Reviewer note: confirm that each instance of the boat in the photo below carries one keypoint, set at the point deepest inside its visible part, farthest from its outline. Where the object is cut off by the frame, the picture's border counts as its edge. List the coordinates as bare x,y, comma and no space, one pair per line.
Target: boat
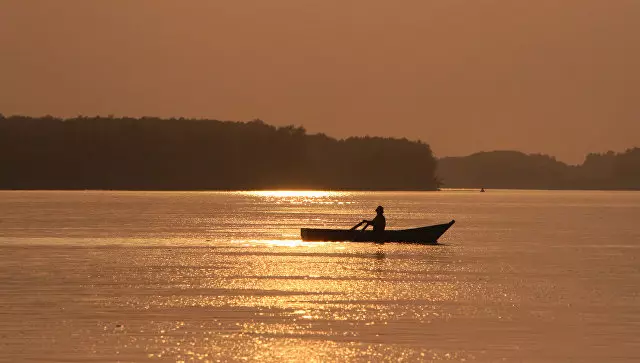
422,235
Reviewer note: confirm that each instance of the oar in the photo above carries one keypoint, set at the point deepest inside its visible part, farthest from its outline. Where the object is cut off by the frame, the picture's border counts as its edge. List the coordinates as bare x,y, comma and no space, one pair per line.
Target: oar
357,225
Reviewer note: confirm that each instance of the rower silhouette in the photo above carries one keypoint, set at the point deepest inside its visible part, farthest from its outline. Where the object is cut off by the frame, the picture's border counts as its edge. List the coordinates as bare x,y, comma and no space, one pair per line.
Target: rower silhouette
378,223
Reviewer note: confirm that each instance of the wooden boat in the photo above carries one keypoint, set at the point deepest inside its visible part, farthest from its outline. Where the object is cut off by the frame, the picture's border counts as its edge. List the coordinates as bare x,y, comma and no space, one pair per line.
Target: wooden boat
423,235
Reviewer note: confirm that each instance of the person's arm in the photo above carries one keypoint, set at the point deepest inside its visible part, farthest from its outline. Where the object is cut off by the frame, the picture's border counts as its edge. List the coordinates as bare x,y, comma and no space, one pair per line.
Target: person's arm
376,222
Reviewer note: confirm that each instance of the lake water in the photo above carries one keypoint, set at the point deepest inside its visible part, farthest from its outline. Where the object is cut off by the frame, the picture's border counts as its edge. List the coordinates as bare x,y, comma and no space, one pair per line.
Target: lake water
523,276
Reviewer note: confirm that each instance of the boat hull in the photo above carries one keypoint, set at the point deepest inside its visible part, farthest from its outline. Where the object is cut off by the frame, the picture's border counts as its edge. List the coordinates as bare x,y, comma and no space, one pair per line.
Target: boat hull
423,235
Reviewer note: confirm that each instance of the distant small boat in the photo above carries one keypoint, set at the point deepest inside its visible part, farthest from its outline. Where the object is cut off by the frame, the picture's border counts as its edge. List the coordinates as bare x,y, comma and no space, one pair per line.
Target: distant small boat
482,190
422,235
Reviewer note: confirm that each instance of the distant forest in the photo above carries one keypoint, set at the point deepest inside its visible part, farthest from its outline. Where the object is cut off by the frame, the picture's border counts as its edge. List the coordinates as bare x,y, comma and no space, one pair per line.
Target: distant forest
187,154
515,170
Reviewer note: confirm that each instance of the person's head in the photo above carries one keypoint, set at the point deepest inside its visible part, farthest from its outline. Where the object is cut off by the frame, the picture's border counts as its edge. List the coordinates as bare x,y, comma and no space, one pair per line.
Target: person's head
379,210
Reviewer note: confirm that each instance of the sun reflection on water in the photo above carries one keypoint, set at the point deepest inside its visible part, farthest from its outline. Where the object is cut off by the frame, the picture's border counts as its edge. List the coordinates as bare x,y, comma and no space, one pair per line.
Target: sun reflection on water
294,193
281,243
300,197
342,302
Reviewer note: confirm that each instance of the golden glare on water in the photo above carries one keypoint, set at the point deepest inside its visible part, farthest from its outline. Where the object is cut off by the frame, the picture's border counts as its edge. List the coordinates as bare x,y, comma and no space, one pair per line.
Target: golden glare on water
280,243
253,303
217,277
293,193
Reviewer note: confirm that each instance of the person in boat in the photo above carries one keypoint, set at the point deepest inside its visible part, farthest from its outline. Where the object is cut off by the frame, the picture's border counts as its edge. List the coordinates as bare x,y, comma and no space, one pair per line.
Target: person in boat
378,223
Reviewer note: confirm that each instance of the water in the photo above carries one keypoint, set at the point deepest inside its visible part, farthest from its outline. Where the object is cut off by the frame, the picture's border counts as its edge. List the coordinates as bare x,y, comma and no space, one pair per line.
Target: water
534,276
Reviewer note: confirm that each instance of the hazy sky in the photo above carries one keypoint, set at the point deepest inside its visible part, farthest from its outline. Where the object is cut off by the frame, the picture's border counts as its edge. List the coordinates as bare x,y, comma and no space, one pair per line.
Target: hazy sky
560,77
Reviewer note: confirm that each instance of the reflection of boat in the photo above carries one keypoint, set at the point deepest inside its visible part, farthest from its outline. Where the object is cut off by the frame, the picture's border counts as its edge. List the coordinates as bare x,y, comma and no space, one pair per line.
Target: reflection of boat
424,235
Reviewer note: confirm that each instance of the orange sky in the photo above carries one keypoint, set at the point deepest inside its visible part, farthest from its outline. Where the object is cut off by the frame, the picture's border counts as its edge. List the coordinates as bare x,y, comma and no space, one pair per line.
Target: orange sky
557,77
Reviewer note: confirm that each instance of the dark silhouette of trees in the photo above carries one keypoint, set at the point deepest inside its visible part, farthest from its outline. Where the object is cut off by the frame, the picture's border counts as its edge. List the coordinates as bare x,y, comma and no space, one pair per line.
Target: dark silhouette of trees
626,169
187,154
512,169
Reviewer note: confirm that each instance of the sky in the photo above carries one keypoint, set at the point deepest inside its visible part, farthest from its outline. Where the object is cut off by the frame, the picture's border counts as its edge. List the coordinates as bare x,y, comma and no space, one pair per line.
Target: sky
546,76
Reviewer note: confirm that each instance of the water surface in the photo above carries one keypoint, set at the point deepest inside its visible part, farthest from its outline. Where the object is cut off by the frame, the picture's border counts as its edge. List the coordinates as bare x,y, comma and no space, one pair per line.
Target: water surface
535,276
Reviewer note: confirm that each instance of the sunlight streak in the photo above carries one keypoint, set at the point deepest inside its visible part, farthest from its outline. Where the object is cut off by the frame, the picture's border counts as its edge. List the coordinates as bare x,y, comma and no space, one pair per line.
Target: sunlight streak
293,193
283,243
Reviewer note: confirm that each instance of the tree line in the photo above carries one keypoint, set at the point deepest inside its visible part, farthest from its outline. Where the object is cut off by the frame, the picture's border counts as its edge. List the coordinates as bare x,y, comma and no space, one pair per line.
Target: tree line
192,154
516,170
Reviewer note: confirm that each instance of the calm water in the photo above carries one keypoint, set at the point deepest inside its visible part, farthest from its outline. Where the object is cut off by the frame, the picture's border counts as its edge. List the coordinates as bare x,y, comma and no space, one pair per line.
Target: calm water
529,276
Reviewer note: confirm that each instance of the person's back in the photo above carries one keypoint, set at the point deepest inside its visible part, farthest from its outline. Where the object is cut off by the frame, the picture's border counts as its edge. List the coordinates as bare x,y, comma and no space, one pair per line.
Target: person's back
379,222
